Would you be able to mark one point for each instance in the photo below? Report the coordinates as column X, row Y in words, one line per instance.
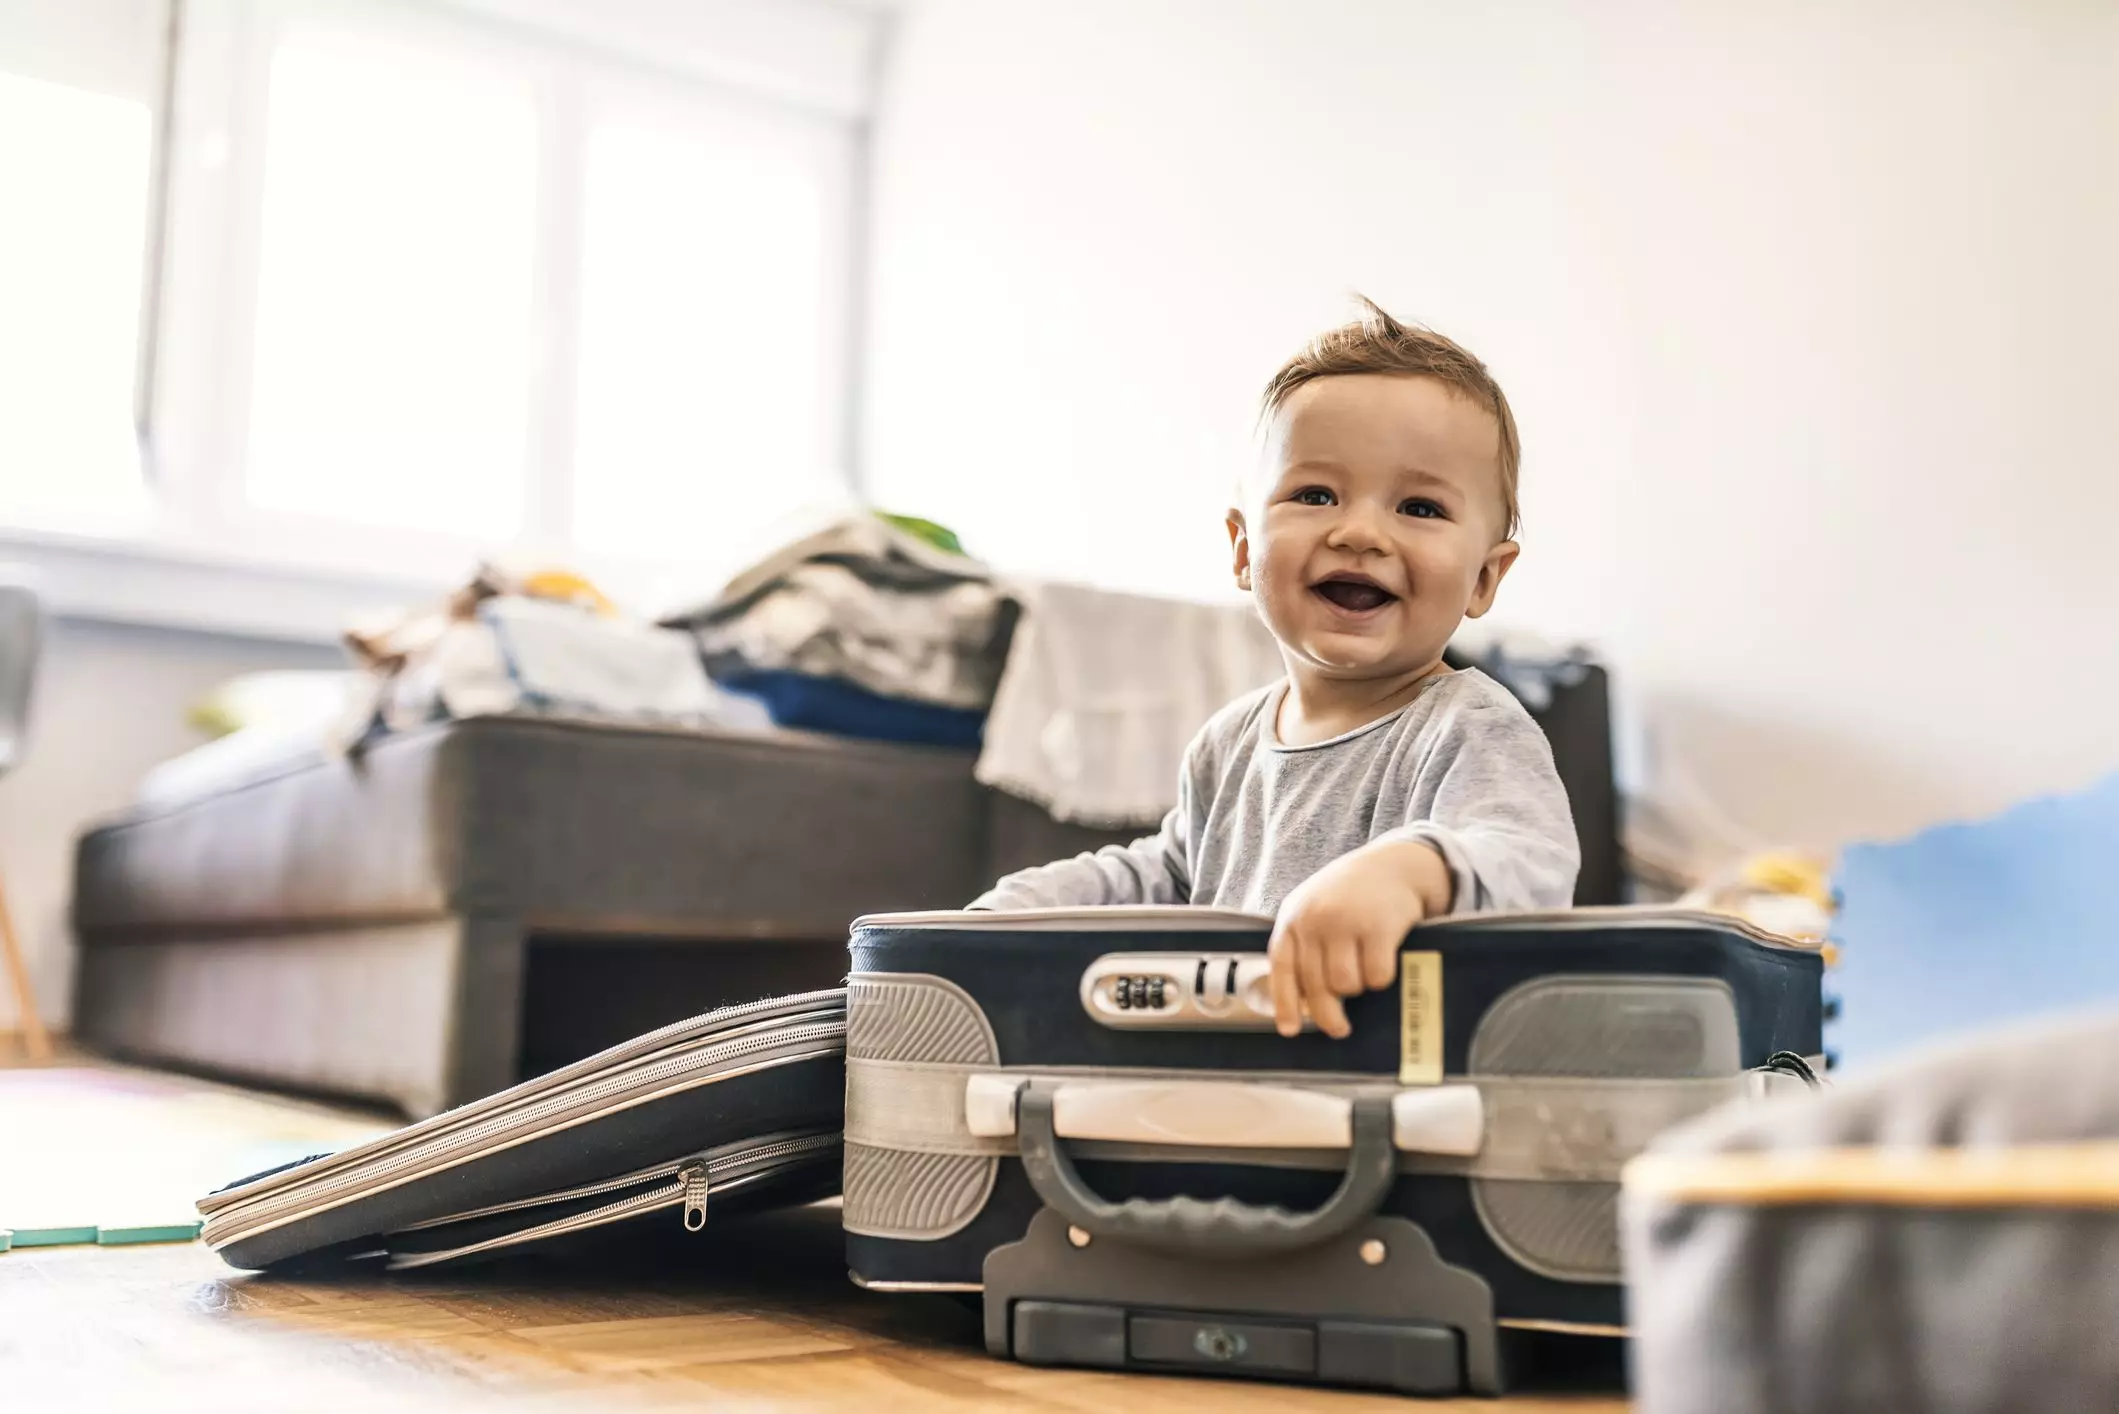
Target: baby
column 1374, row 787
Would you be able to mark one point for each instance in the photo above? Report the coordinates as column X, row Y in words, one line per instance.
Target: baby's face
column 1375, row 524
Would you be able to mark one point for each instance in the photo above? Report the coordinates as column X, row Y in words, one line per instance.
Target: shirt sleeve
column 1494, row 808
column 1149, row 870
column 1154, row 869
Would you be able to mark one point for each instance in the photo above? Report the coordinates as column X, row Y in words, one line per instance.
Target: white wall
column 110, row 703
column 1810, row 315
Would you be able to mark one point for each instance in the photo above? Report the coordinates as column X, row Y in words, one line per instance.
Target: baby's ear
column 1491, row 572
column 1240, row 549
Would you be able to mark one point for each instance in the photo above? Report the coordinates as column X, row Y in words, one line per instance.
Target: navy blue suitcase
column 1086, row 1115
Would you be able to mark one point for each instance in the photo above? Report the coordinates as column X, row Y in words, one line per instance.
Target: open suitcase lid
column 1185, row 918
column 702, row 1050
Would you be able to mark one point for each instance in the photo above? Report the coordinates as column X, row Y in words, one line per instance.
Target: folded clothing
column 806, row 703
column 864, row 602
column 1103, row 691
column 1938, row 1236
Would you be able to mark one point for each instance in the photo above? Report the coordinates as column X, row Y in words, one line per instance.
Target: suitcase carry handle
column 1222, row 1227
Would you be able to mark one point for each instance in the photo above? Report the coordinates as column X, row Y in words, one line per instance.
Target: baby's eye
column 1313, row 496
column 1422, row 508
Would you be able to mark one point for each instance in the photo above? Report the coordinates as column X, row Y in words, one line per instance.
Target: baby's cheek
column 1276, row 577
column 1446, row 571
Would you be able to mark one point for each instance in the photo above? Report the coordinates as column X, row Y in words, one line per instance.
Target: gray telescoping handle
column 1222, row 1227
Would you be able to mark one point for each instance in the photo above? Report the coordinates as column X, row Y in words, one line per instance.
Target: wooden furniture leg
column 35, row 1039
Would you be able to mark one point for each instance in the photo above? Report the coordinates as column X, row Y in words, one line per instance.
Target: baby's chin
column 1354, row 658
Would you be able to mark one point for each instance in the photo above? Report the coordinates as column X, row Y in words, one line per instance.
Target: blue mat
column 1968, row 926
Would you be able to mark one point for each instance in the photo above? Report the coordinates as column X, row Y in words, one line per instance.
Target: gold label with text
column 1420, row 1018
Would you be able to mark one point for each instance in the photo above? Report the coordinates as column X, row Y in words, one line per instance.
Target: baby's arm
column 1495, row 833
column 1155, row 869
column 1149, row 870
column 1498, row 814
column 1337, row 933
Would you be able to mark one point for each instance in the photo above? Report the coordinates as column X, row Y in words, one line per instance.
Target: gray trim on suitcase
column 1593, row 1025
column 919, row 1017
column 895, row 1185
column 1550, row 1127
column 913, row 1197
column 1566, row 1231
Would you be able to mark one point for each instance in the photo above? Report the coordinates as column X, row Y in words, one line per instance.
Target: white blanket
column 1102, row 692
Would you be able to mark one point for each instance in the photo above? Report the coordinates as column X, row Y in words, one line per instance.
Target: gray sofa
column 476, row 902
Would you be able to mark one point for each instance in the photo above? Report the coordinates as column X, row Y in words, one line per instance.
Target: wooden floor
column 776, row 1326
column 770, row 1323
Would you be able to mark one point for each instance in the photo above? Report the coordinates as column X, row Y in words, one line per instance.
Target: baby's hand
column 1338, row 933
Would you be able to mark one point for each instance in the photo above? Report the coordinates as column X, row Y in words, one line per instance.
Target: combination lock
column 1182, row 991
column 1140, row 993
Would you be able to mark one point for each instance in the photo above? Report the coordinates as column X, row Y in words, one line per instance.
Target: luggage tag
column 1420, row 1018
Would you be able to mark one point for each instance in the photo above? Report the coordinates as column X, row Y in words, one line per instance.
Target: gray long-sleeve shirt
column 1462, row 767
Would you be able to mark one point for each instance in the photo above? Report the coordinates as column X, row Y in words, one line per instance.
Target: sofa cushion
column 565, row 825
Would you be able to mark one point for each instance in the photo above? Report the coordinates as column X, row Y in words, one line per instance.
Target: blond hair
column 1379, row 343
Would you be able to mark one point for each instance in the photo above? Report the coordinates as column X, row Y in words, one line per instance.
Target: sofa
column 467, row 904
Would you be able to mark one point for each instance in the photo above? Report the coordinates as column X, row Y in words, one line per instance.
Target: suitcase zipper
column 731, row 1023
column 624, row 1208
column 693, row 1176
column 727, row 1157
column 627, row 1060
column 693, row 1181
column 231, row 1222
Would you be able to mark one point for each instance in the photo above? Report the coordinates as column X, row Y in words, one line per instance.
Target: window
column 540, row 298
column 73, row 181
column 702, row 378
column 391, row 363
column 428, row 280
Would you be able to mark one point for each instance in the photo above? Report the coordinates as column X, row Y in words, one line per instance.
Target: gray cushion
column 1939, row 1235
column 565, row 825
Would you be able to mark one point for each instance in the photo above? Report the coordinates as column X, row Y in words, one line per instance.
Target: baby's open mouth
column 1355, row 593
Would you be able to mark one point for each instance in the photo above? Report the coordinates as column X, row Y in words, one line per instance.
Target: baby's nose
column 1359, row 524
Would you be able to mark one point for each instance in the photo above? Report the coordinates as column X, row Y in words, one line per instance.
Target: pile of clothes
column 548, row 643
column 872, row 626
column 1079, row 699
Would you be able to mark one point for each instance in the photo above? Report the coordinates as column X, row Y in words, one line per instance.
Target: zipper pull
column 695, row 1187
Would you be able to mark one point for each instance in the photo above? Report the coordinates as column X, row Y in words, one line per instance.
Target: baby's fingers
column 1379, row 959
column 1317, row 992
column 1343, row 966
column 1286, row 986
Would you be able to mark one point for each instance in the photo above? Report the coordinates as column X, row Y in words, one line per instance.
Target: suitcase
column 735, row 1109
column 1087, row 1115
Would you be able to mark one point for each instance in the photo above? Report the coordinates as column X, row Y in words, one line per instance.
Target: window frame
column 201, row 523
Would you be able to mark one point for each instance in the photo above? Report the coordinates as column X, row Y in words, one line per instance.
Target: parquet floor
column 775, row 1326
column 769, row 1324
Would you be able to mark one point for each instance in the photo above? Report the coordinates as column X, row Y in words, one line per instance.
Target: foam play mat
column 1976, row 924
